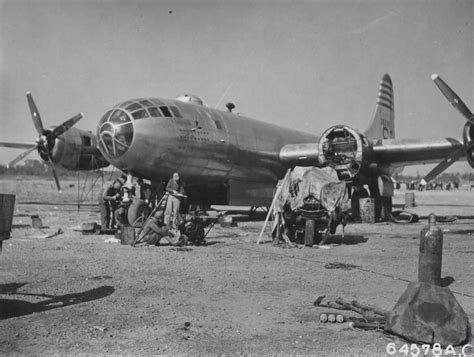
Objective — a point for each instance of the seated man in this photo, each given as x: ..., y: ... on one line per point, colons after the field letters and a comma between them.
x: 155, y: 229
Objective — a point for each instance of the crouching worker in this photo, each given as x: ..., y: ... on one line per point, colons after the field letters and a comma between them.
x: 155, y: 229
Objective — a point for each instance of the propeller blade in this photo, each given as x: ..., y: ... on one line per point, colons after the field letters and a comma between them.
x: 50, y: 163
x: 35, y: 114
x: 443, y: 165
x: 453, y: 98
x: 22, y: 156
x: 68, y: 124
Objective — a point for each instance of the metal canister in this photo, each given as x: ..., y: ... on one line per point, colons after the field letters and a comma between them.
x: 409, y: 199
x: 7, y: 209
x: 431, y: 253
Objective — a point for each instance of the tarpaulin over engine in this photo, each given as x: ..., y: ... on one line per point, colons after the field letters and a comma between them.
x: 316, y: 182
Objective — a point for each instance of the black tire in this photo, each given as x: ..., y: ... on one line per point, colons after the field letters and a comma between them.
x: 138, y: 212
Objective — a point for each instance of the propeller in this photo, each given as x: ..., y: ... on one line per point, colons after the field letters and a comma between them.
x: 453, y: 98
x: 457, y: 103
x: 46, y: 138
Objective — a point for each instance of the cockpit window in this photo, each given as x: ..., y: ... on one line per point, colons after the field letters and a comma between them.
x: 140, y: 114
x: 133, y: 107
x: 154, y: 112
x: 146, y: 103
x: 116, y: 132
x: 176, y: 112
x: 166, y: 112
x: 105, y: 117
x: 119, y: 117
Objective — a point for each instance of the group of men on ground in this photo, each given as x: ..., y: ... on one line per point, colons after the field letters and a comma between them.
x: 114, y: 193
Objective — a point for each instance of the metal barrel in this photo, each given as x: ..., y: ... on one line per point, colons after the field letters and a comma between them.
x: 431, y: 253
x: 367, y: 210
x: 7, y: 208
x: 409, y: 199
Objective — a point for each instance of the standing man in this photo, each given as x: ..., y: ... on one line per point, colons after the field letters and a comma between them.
x: 109, y: 201
x: 175, y: 190
x: 143, y: 191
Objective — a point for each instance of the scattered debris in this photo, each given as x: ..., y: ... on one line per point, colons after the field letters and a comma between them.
x: 90, y: 228
x: 100, y: 277
x: 372, y: 317
x: 342, y: 266
x: 48, y: 235
x: 404, y: 216
x: 36, y: 221
x: 330, y: 317
x: 111, y: 240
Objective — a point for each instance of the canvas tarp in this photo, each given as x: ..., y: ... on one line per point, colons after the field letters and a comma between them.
x: 323, y: 186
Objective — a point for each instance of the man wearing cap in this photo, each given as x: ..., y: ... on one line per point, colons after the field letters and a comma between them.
x: 175, y: 191
x: 109, y: 201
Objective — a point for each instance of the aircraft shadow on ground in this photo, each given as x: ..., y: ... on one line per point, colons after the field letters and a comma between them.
x: 14, y: 308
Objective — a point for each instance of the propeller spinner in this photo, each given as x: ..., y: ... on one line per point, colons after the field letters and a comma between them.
x: 46, y: 138
x: 457, y: 103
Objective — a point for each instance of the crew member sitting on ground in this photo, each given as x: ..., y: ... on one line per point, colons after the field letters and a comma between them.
x: 175, y: 191
x: 155, y: 229
x: 109, y: 200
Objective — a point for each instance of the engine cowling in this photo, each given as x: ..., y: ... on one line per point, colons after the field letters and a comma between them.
x: 76, y: 149
x: 468, y: 137
x: 345, y: 150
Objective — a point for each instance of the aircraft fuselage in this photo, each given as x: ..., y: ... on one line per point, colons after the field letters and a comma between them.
x: 205, y: 145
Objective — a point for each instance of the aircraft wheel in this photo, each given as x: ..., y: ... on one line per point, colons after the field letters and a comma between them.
x: 138, y: 212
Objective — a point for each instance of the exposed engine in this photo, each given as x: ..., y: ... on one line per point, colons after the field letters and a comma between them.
x: 344, y: 149
x: 75, y: 149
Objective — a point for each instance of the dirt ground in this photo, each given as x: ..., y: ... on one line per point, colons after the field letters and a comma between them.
x: 77, y: 294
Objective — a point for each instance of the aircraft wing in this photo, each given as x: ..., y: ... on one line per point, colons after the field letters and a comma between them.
x: 23, y: 146
x: 406, y: 152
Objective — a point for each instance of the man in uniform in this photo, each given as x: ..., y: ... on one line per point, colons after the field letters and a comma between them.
x: 109, y: 201
x: 175, y: 191
x: 143, y: 191
x: 155, y: 229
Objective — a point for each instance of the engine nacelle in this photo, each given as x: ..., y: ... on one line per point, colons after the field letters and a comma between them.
x: 345, y: 150
x: 468, y: 137
x: 77, y: 149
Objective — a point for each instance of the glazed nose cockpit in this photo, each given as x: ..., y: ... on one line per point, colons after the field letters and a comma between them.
x: 115, y: 132
x: 116, y: 128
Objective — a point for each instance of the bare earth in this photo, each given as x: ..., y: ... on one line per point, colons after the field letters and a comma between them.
x: 76, y: 294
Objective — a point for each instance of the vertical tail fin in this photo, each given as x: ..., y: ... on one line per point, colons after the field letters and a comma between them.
x: 383, y: 125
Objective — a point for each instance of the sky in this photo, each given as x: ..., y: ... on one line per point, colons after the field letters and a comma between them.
x: 301, y: 64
